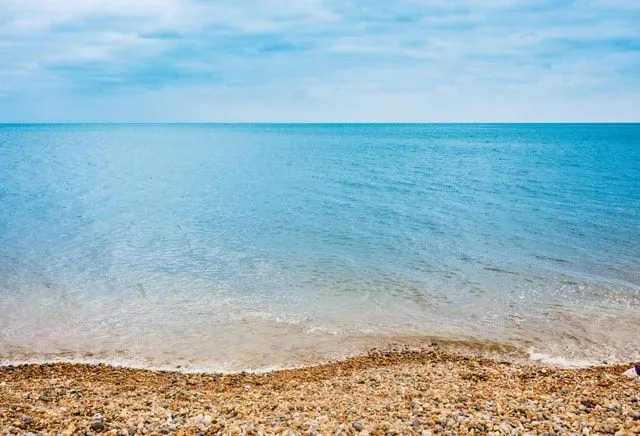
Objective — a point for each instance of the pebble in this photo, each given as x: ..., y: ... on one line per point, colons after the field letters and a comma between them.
x: 415, y: 392
x: 97, y: 426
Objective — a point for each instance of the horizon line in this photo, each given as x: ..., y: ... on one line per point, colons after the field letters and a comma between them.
x: 5, y: 123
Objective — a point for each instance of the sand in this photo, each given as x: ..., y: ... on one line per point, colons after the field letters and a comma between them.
x: 426, y: 391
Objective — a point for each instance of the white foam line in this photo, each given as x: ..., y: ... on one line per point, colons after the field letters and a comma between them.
x: 177, y: 368
x: 561, y: 362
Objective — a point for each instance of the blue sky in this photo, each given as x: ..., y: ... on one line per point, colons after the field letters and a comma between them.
x: 319, y: 60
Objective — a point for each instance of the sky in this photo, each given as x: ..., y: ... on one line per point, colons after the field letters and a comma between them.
x: 319, y: 60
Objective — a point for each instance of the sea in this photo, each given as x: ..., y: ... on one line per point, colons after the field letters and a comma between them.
x: 231, y: 247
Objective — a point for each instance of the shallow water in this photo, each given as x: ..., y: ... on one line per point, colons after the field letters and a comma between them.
x: 234, y: 247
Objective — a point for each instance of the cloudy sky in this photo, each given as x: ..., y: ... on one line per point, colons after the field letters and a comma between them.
x: 319, y: 60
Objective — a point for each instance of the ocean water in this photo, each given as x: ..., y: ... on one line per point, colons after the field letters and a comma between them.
x: 247, y: 247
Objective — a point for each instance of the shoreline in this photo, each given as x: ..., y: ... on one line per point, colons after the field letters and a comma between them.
x: 406, y: 391
x: 471, y: 347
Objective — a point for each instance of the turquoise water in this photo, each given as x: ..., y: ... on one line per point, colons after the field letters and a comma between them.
x: 252, y: 246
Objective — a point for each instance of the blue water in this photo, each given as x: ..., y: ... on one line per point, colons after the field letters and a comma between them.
x: 250, y: 246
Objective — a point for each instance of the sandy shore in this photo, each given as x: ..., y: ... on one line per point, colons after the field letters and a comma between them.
x: 403, y: 392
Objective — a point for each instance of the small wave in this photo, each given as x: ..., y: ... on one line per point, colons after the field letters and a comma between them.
x: 560, y: 361
x: 552, y: 259
x: 500, y: 270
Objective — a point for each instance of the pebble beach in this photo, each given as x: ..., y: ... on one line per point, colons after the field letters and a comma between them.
x: 406, y: 391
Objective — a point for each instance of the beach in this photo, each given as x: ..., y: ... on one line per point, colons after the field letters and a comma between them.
x: 401, y: 391
x: 367, y: 278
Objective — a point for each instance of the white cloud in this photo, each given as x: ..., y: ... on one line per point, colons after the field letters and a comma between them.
x: 315, y: 58
x: 39, y: 15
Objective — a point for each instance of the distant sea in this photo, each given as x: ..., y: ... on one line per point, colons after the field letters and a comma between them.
x: 249, y: 247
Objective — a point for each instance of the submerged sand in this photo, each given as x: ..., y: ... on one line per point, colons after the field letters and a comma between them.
x: 383, y: 392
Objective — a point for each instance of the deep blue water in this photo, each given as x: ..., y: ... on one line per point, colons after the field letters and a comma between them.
x: 241, y: 246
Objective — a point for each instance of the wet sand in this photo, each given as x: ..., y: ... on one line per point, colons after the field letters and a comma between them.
x: 384, y: 392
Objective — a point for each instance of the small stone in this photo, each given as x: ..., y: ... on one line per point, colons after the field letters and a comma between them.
x: 26, y: 420
x: 97, y: 426
x: 353, y: 410
x: 357, y: 426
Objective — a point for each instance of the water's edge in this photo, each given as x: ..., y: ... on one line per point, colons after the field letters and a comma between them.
x: 471, y: 348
